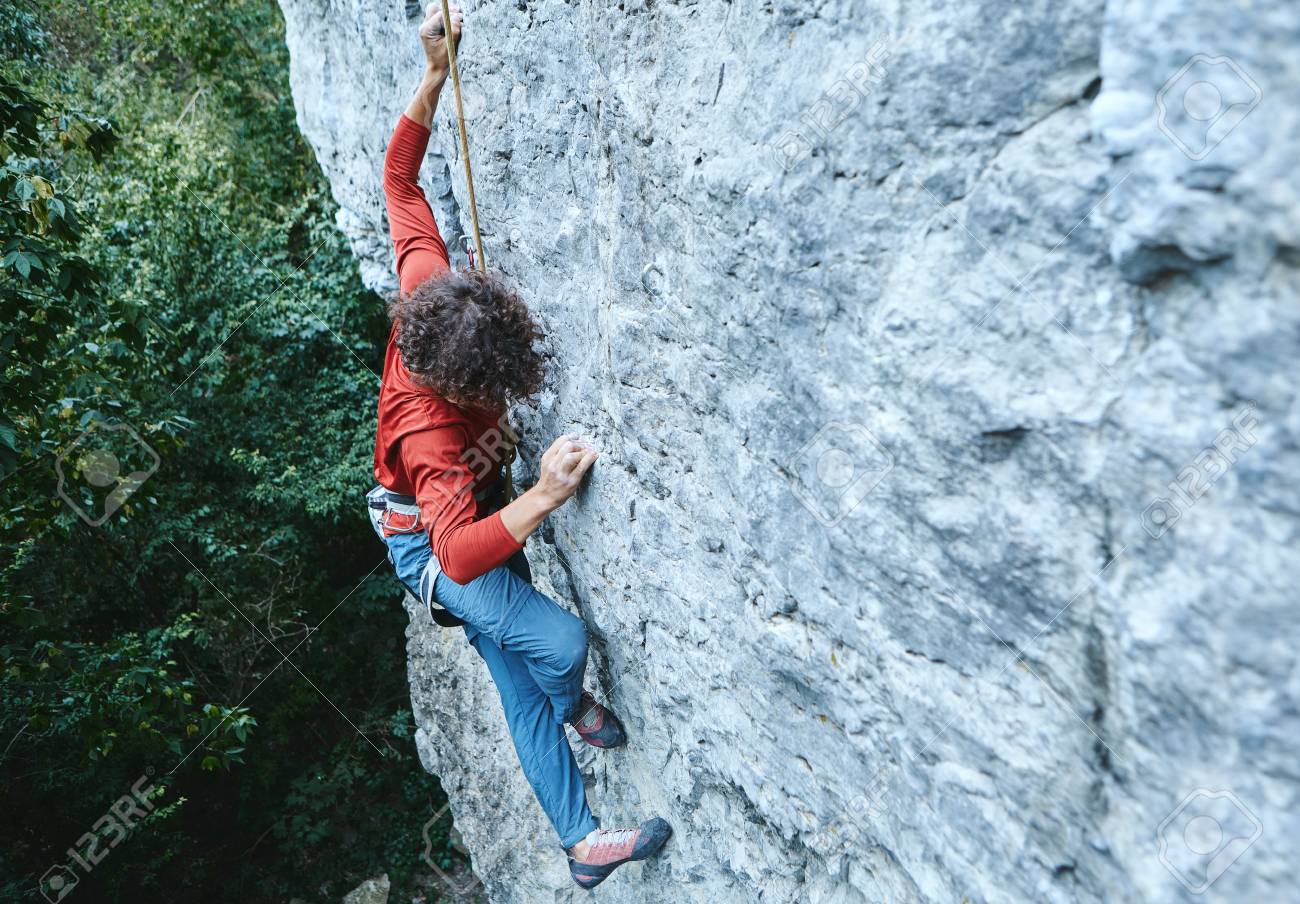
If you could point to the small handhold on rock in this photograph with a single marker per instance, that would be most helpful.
(711, 544)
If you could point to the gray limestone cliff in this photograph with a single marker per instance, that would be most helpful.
(943, 356)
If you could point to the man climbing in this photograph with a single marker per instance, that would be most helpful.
(462, 348)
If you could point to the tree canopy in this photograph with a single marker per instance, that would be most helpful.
(188, 414)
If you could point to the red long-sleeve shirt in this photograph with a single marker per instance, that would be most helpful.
(425, 444)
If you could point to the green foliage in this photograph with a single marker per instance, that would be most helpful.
(174, 292)
(61, 335)
(93, 691)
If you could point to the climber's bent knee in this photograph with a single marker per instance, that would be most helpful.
(569, 653)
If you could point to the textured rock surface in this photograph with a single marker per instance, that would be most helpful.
(990, 680)
(372, 891)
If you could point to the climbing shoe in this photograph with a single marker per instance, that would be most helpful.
(611, 848)
(597, 725)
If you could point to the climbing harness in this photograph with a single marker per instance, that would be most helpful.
(473, 205)
(397, 515)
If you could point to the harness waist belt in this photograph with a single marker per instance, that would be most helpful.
(401, 502)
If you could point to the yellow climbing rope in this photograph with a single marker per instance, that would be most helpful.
(464, 138)
(509, 490)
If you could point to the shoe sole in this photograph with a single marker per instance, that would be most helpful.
(622, 736)
(617, 863)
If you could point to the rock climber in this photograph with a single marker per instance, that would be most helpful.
(463, 347)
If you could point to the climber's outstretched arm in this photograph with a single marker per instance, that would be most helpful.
(421, 252)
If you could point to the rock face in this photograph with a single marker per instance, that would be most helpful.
(943, 356)
(372, 891)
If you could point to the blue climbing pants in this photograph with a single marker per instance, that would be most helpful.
(536, 653)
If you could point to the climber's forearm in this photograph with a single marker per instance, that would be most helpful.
(425, 102)
(523, 516)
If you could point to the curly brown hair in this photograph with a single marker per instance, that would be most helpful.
(469, 337)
